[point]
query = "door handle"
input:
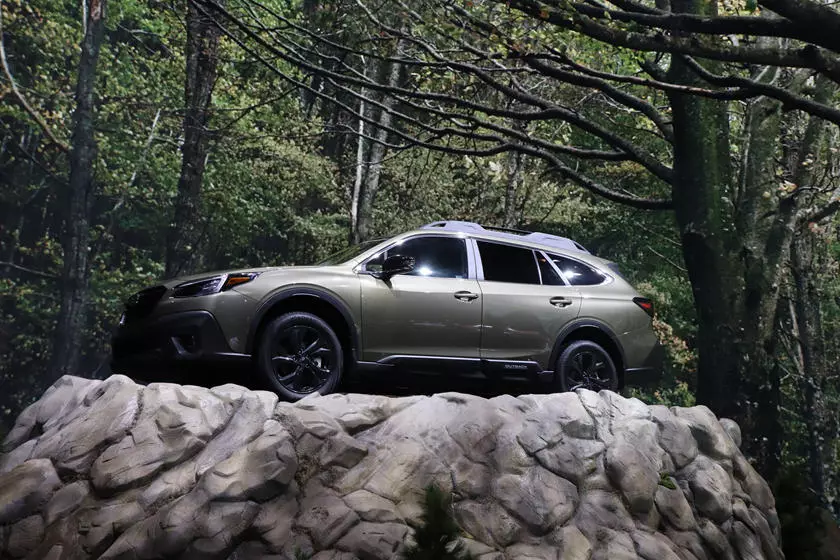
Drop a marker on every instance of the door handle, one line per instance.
(465, 296)
(560, 301)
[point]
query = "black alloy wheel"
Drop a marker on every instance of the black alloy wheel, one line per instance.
(300, 354)
(585, 365)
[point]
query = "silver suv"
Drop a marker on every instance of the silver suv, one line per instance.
(451, 298)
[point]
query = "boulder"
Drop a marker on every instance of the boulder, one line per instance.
(113, 469)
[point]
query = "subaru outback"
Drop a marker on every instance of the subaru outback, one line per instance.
(453, 298)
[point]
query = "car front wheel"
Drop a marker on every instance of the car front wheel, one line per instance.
(584, 364)
(299, 354)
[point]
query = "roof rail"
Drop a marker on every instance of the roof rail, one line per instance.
(507, 233)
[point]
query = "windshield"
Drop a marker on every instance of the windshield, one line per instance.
(350, 252)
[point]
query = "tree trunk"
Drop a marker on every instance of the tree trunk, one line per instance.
(763, 252)
(74, 279)
(515, 168)
(202, 62)
(702, 177)
(735, 256)
(361, 151)
(361, 157)
(809, 329)
(376, 155)
(807, 300)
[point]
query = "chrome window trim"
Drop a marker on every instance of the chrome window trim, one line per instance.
(476, 256)
(537, 264)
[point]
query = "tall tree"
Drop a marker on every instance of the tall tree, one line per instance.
(515, 170)
(79, 198)
(371, 154)
(202, 55)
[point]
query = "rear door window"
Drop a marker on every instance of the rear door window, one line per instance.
(505, 263)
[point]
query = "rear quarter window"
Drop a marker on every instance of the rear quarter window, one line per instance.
(577, 273)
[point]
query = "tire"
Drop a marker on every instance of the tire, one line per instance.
(299, 354)
(577, 363)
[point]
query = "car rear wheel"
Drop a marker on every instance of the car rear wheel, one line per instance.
(299, 354)
(584, 364)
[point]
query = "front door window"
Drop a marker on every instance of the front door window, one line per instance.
(437, 257)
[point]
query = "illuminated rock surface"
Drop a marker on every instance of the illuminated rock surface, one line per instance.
(113, 469)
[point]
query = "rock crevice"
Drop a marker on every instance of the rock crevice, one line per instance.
(113, 469)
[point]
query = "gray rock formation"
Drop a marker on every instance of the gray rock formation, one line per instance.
(113, 469)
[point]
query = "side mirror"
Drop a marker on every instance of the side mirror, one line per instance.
(396, 264)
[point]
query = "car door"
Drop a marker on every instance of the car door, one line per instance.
(425, 317)
(526, 304)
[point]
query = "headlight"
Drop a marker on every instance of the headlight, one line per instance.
(203, 287)
(214, 285)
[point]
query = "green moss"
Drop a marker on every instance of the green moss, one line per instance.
(665, 480)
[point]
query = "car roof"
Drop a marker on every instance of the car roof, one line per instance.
(532, 240)
(546, 240)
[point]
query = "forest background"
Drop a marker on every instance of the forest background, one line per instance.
(693, 142)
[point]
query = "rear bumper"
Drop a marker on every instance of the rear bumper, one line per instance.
(650, 371)
(158, 348)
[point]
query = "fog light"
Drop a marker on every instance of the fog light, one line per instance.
(189, 343)
(186, 343)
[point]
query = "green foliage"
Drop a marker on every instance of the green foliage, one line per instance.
(437, 537)
(271, 206)
(301, 554)
(665, 480)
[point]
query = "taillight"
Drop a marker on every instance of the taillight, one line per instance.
(645, 304)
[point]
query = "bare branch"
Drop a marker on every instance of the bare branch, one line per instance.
(22, 100)
(667, 260)
(501, 146)
(727, 94)
(718, 25)
(604, 86)
(554, 110)
(788, 99)
(27, 270)
(820, 214)
(819, 19)
(592, 186)
(808, 56)
(741, 88)
(548, 110)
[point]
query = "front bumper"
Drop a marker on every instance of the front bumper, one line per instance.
(152, 348)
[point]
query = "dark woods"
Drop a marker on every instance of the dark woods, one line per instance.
(694, 142)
